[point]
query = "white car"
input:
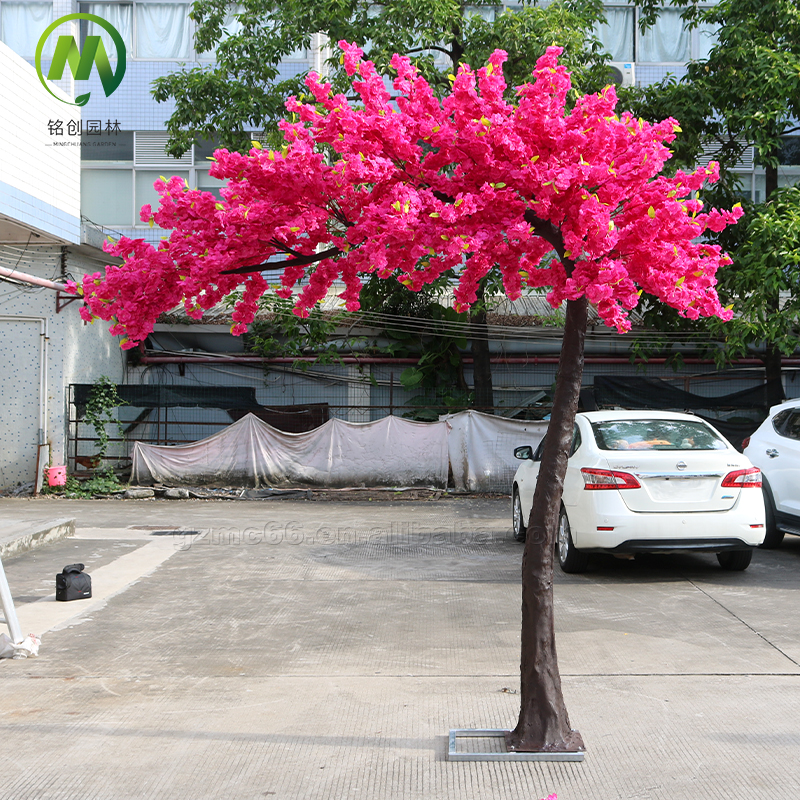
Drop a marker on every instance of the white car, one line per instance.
(775, 449)
(648, 481)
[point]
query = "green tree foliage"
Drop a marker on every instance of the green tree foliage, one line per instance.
(244, 90)
(766, 276)
(285, 335)
(746, 93)
(102, 401)
(438, 375)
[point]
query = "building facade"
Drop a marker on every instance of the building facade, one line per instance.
(44, 345)
(123, 135)
(76, 175)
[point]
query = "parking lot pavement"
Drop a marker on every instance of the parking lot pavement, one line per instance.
(297, 649)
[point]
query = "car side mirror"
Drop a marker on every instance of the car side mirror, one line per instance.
(524, 453)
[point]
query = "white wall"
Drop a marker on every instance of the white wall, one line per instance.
(40, 218)
(39, 172)
(77, 353)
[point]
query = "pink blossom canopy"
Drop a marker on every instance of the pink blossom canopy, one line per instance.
(407, 186)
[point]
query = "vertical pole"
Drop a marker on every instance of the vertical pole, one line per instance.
(391, 393)
(8, 608)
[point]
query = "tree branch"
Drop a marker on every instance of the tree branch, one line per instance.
(445, 198)
(296, 261)
(552, 235)
(541, 227)
(432, 47)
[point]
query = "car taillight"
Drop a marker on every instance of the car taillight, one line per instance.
(743, 479)
(745, 442)
(608, 479)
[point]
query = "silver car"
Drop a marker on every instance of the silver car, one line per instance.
(775, 449)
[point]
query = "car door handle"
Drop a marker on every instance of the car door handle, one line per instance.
(772, 453)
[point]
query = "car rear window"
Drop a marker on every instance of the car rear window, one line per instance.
(787, 424)
(655, 434)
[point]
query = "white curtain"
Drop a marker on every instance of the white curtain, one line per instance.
(230, 27)
(145, 192)
(667, 40)
(706, 39)
(487, 12)
(107, 196)
(120, 16)
(22, 24)
(163, 30)
(616, 33)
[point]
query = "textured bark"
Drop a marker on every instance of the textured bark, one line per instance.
(772, 372)
(481, 357)
(772, 356)
(543, 720)
(770, 181)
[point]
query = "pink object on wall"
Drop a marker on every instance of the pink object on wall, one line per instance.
(56, 476)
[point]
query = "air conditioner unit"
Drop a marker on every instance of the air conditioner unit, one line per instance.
(622, 73)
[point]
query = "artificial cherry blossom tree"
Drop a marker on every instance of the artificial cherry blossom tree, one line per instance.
(408, 187)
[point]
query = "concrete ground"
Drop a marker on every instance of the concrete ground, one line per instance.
(301, 649)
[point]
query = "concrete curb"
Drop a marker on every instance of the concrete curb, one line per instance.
(19, 537)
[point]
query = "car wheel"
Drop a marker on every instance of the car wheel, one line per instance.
(517, 519)
(570, 559)
(773, 536)
(735, 560)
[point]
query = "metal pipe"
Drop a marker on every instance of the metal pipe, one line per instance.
(5, 272)
(44, 339)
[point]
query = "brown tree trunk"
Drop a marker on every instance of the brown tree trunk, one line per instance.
(481, 357)
(772, 356)
(770, 181)
(772, 373)
(543, 720)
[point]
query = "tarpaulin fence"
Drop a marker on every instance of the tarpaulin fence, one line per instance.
(477, 448)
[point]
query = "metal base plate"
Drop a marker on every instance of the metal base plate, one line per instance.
(494, 748)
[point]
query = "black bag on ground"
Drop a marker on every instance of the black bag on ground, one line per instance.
(72, 583)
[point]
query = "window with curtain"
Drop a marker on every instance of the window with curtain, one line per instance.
(120, 15)
(668, 40)
(208, 184)
(22, 24)
(163, 31)
(107, 196)
(617, 33)
(145, 193)
(489, 13)
(706, 39)
(230, 27)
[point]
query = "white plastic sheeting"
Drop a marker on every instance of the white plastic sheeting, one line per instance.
(388, 452)
(481, 449)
